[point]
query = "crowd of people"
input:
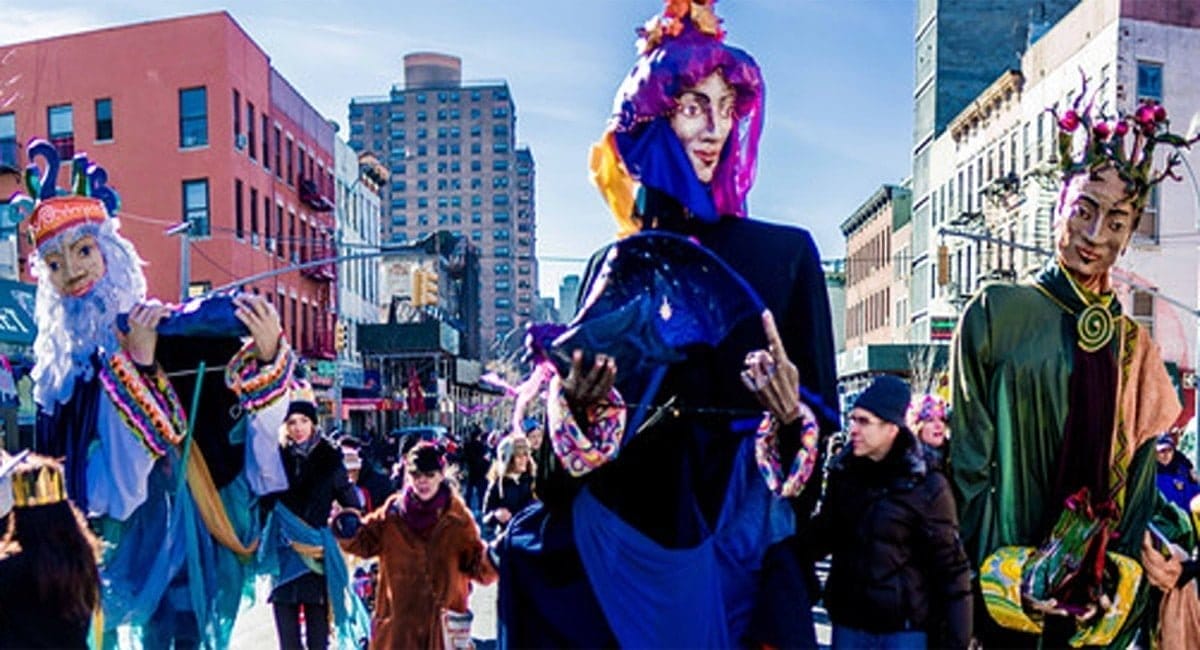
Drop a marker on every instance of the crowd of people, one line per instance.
(674, 492)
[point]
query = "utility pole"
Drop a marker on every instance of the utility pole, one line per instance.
(337, 320)
(183, 231)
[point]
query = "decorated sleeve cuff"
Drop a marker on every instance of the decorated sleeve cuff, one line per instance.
(581, 452)
(259, 384)
(766, 454)
(146, 401)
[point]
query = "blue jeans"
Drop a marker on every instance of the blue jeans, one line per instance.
(851, 638)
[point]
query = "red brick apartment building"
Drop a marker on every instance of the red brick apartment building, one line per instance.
(193, 125)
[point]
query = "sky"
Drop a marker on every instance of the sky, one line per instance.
(839, 77)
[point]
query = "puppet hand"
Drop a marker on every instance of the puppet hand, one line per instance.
(585, 389)
(262, 320)
(1162, 572)
(142, 338)
(772, 376)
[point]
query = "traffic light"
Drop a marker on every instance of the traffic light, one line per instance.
(425, 287)
(943, 265)
(339, 336)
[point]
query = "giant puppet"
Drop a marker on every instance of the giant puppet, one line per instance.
(167, 474)
(1058, 397)
(658, 517)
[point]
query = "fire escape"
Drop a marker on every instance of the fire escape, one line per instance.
(320, 343)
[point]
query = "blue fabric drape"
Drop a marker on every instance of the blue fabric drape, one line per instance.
(656, 158)
(277, 557)
(698, 597)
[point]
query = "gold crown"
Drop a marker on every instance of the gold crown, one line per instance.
(55, 215)
(40, 485)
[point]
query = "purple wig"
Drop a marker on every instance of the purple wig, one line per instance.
(660, 75)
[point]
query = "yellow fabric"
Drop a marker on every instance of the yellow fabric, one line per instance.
(616, 186)
(1000, 582)
(1103, 631)
(308, 550)
(211, 508)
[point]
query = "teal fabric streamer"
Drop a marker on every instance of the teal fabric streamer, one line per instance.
(277, 558)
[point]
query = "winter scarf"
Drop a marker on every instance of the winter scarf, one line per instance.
(422, 515)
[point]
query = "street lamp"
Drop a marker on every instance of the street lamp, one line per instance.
(183, 230)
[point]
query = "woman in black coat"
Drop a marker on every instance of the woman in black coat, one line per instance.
(316, 478)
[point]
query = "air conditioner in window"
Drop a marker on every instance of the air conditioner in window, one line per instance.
(240, 141)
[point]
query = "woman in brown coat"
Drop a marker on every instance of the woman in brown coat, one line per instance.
(429, 551)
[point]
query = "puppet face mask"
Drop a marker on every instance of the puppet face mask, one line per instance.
(702, 120)
(77, 267)
(1099, 217)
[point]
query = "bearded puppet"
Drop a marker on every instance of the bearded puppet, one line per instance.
(107, 405)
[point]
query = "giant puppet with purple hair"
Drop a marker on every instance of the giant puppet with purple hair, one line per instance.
(167, 473)
(680, 447)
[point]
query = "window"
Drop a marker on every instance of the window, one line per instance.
(239, 225)
(1147, 229)
(503, 303)
(266, 129)
(267, 216)
(278, 228)
(503, 251)
(104, 120)
(293, 247)
(278, 152)
(251, 143)
(193, 117)
(291, 158)
(237, 114)
(8, 140)
(254, 217)
(62, 130)
(501, 235)
(195, 207)
(500, 217)
(1143, 310)
(1149, 81)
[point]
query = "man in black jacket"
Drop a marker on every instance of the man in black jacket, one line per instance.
(899, 576)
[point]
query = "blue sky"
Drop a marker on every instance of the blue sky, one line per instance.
(839, 85)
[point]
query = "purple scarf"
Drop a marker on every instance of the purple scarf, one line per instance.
(422, 515)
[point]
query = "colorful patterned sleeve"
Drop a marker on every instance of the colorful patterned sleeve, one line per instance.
(147, 403)
(766, 453)
(259, 384)
(581, 452)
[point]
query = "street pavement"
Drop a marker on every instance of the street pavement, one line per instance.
(255, 628)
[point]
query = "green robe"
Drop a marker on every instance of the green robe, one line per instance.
(1011, 365)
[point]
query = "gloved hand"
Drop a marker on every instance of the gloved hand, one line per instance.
(345, 524)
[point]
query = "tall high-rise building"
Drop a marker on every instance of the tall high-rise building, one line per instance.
(961, 48)
(568, 296)
(455, 165)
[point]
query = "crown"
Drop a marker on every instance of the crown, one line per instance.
(1105, 143)
(670, 23)
(52, 211)
(38, 483)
